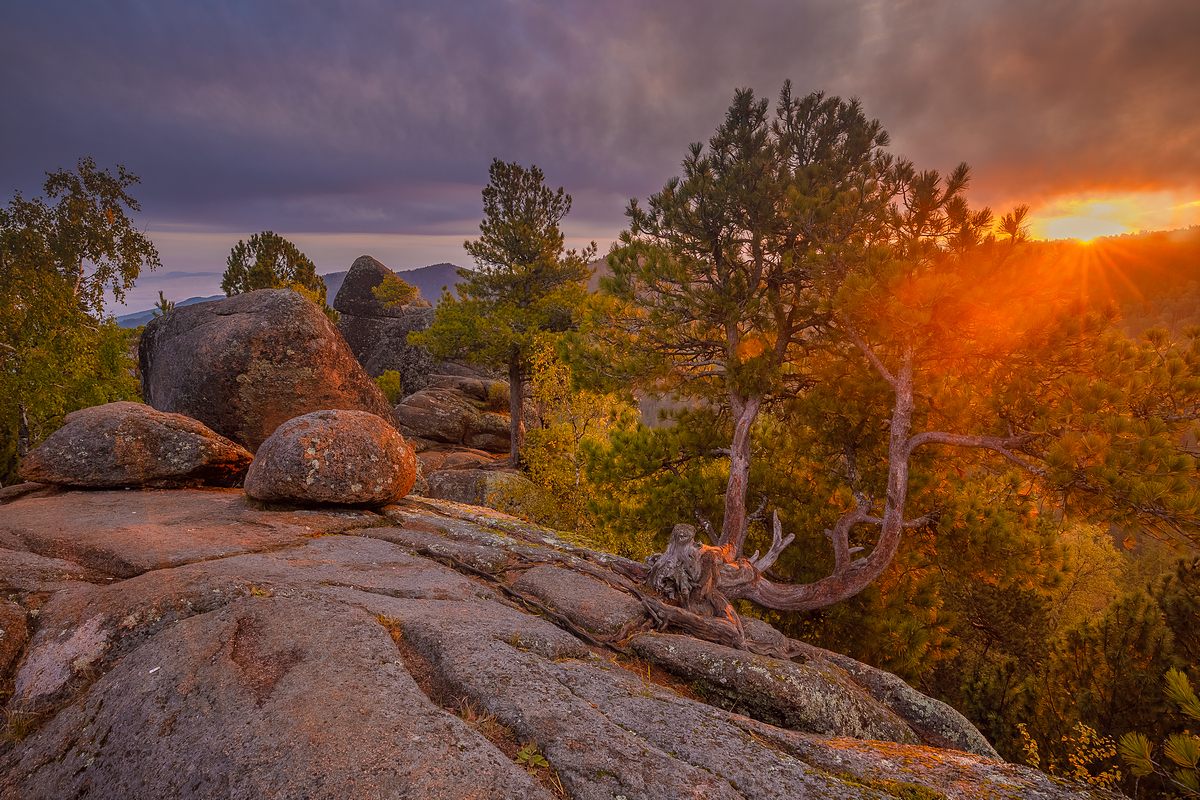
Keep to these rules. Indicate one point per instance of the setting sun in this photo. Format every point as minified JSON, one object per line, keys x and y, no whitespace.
{"x":1082,"y":228}
{"x":1089,"y":215}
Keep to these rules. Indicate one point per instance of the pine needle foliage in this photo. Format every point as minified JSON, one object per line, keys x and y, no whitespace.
{"x":526,"y":283}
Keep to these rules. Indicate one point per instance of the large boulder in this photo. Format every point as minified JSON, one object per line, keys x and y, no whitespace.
{"x":451,"y":416}
{"x":381,"y":344}
{"x":246,"y":364}
{"x":348,"y":457}
{"x":438,"y":457}
{"x":131,"y":444}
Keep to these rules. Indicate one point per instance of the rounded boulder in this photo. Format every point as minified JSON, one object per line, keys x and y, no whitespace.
{"x":332,"y":456}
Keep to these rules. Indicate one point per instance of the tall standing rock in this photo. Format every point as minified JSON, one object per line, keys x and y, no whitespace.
{"x":246,"y":364}
{"x":356,"y":296}
{"x":378,"y":334}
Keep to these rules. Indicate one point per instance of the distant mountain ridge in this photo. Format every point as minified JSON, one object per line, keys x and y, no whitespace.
{"x":429,"y":280}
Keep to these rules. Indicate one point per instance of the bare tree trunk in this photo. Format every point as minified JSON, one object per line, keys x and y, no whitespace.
{"x":22,"y":431}
{"x":703,"y":580}
{"x":689,"y":572}
{"x":733,"y":527}
{"x":516,"y":409}
{"x":851,"y":577}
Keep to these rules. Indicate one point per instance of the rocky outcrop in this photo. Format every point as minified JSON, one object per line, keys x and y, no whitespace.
{"x":371,"y":655}
{"x":348,"y":457}
{"x":434,"y":458}
{"x":442,"y":415}
{"x":504,"y":490}
{"x":356,"y":295}
{"x":811,"y":696}
{"x":594,"y":607}
{"x":131,"y":444}
{"x":223,"y":704}
{"x":378,"y":334}
{"x":381,"y":344}
{"x":246,"y":364}
{"x":107,"y":535}
{"x":936,"y":723}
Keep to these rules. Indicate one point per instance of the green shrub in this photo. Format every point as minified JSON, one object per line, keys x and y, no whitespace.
{"x":391,"y":385}
{"x":497,"y":397}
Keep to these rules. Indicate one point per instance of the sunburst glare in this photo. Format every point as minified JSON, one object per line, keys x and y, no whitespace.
{"x":1088,"y":215}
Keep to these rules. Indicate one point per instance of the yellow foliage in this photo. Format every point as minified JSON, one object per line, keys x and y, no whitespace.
{"x":497,"y":397}
{"x":552,"y":452}
{"x":1092,"y":567}
{"x":1029,"y":747}
{"x":395,"y":291}
{"x":1089,"y":751}
{"x":392,"y":385}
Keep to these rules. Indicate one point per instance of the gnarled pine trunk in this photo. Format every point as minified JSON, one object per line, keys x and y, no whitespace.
{"x":733,"y":526}
{"x":703,"y":580}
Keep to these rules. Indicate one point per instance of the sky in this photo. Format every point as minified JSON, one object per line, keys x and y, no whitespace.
{"x":367,"y":126}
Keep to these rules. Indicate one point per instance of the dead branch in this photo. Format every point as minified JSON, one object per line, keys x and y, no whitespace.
{"x":1004,"y":446}
{"x":778,"y":543}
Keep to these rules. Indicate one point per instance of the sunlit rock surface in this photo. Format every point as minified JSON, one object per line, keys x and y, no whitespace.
{"x":192,"y":644}
{"x":131,"y":444}
{"x":342,"y":457}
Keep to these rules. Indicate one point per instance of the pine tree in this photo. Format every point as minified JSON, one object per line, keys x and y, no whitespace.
{"x":525,"y":282}
{"x":269,"y":261}
{"x":905,"y":337}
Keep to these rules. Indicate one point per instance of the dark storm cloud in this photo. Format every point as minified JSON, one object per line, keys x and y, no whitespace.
{"x":384,"y":116}
{"x":225,"y":107}
{"x":1044,"y":97}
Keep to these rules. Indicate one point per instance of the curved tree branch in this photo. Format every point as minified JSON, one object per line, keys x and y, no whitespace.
{"x":1003,"y":446}
{"x":870,"y":354}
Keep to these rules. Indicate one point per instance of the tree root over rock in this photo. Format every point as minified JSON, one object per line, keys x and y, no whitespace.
{"x":552,"y":615}
{"x":705,"y":612}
